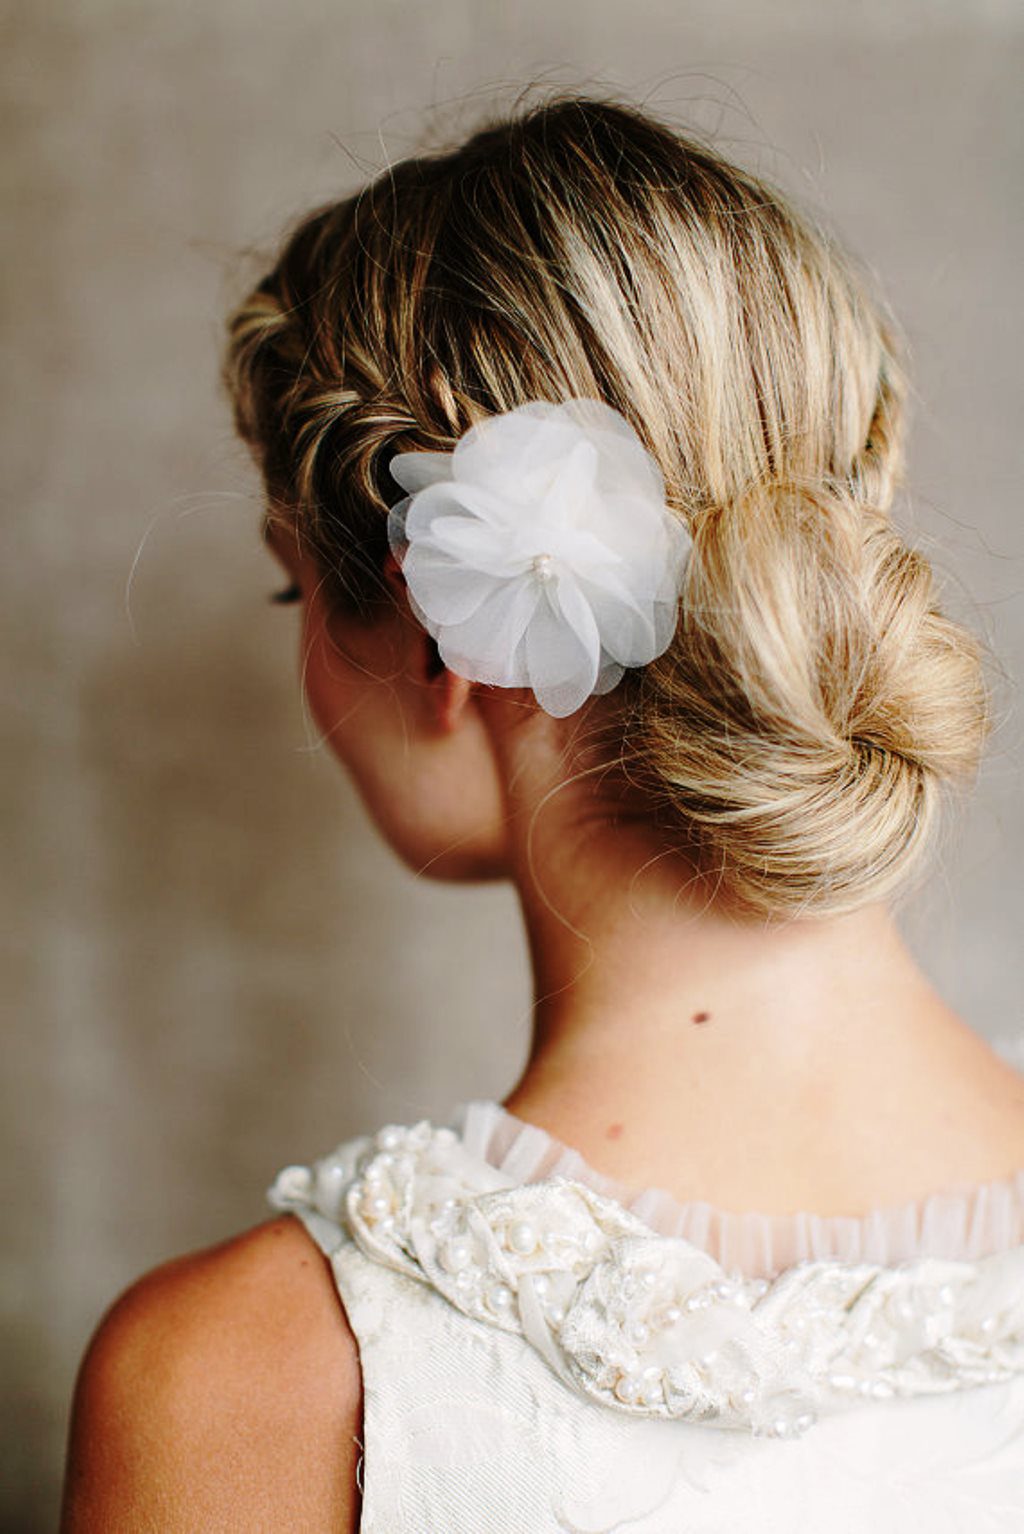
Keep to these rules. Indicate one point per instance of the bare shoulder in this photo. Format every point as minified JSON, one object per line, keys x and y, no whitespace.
{"x":221,"y":1391}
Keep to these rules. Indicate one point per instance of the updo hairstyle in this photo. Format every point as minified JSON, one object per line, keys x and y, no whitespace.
{"x":815,"y":707}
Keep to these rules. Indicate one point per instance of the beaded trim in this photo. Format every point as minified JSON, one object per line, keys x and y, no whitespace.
{"x":650,"y":1324}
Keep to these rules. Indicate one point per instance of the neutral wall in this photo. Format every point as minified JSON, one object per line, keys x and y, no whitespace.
{"x":212,"y":967}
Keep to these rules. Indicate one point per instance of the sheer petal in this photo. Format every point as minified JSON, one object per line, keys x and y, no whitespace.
{"x":447,"y":590}
{"x":483,"y":646}
{"x":627,"y":630}
{"x":449,"y":498}
{"x":576,"y":610}
{"x":512,"y":455}
{"x":562,"y":666}
{"x":475,"y":544}
{"x":415,"y":471}
{"x":609,"y":676}
{"x":624,"y":461}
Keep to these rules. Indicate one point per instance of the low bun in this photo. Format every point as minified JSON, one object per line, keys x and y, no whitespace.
{"x":815,"y":706}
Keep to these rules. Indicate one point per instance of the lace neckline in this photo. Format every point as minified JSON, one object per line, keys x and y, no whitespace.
{"x":963,"y":1222}
{"x":643,"y":1322}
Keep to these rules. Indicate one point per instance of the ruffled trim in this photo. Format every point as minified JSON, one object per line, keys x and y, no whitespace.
{"x":961,"y":1223}
{"x":649,"y":1324}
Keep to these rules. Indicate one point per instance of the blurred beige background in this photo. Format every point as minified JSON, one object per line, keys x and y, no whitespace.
{"x":211,"y":967}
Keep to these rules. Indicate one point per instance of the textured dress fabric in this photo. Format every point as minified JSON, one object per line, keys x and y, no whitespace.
{"x":544,"y":1349}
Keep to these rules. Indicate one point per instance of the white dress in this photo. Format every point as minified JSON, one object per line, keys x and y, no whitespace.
{"x":545,"y":1351}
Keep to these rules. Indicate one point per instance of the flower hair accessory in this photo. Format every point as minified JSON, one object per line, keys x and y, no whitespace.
{"x":540,"y":552}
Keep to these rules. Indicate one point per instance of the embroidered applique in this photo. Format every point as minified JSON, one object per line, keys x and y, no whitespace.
{"x":650,"y":1324}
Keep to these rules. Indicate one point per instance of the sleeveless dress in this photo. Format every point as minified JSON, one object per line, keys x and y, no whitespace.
{"x":546,"y":1351}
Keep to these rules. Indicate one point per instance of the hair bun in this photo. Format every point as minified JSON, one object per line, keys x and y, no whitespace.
{"x":815,"y":706}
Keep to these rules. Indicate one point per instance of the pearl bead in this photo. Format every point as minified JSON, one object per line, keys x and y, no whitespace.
{"x":457,"y":1254}
{"x":540,"y":1283}
{"x":628,"y":1388}
{"x":543,"y":567}
{"x":376,"y":1205}
{"x":556,"y":1315}
{"x":638,"y":1333}
{"x":389,"y":1139}
{"x":521,"y":1237}
{"x":499,"y":1297}
{"x":671,"y":1314}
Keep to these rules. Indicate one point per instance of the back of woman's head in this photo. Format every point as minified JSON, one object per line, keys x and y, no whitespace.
{"x":801,"y":732}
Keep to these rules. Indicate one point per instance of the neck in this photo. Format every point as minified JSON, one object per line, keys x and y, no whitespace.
{"x":678,"y":1044}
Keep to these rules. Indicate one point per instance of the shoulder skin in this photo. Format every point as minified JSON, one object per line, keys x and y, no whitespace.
{"x":222,"y":1391}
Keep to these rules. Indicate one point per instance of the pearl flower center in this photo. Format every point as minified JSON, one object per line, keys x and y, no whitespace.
{"x":544,"y":567}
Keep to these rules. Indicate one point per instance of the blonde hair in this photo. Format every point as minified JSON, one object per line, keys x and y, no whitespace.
{"x":815,"y":705}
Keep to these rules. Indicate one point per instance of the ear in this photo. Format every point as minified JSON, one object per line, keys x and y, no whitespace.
{"x":448,"y":694}
{"x":393,"y":576}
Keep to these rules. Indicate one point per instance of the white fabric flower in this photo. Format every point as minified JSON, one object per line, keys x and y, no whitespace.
{"x":541,"y":553}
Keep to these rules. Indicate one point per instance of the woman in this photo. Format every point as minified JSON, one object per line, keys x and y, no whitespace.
{"x":579,"y":445}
